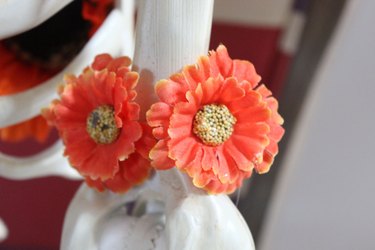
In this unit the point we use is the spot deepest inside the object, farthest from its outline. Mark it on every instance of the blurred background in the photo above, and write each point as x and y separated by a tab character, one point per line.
317	58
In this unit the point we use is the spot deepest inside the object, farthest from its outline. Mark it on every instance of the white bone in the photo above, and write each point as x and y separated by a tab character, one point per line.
127	7
17	16
49	162
3	230
25	105
170	33
190	219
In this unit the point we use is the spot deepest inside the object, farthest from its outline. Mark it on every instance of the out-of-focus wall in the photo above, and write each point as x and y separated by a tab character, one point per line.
324	198
266	13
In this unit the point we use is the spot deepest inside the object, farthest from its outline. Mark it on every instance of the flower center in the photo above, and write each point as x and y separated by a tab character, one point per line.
213	124
101	125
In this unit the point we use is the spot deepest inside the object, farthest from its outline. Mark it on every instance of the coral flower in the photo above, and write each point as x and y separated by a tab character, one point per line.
215	122
97	119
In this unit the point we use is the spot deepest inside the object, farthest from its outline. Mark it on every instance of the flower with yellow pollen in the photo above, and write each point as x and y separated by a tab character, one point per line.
215	122
97	119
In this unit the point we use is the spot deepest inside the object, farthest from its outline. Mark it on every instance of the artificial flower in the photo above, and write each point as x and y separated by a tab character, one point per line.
97	119
215	122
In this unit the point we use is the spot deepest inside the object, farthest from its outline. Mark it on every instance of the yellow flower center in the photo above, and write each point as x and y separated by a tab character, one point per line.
213	124
101	125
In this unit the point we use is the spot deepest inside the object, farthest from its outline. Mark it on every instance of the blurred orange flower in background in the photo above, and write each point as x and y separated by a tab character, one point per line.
215	123
16	76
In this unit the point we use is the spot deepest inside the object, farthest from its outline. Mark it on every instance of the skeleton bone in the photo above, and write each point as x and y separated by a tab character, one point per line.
18	16
3	230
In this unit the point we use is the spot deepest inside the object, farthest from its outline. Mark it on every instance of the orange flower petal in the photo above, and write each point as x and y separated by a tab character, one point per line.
158	117
209	160
124	145
170	91
119	63
131	80
245	71
159	156
193	75
202	179
242	162
253	114
117	184
97	184
159	114
256	131
211	90
183	151
136	169
251	99
101	61
220	62
99	165
181	121
251	148
264	167
231	91
222	169
194	168
146	142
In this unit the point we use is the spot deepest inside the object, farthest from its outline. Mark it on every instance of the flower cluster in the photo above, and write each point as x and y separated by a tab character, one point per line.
214	121
97	119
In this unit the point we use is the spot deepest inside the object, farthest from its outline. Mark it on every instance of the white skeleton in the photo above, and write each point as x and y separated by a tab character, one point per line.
169	212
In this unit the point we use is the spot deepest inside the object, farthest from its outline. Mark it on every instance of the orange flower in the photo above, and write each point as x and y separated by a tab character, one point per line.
97	119
215	123
95	11
16	76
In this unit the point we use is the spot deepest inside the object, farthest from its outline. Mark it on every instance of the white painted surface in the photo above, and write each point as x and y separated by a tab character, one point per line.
188	219
49	162
127	7
3	230
325	197
290	39
17	16
268	13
